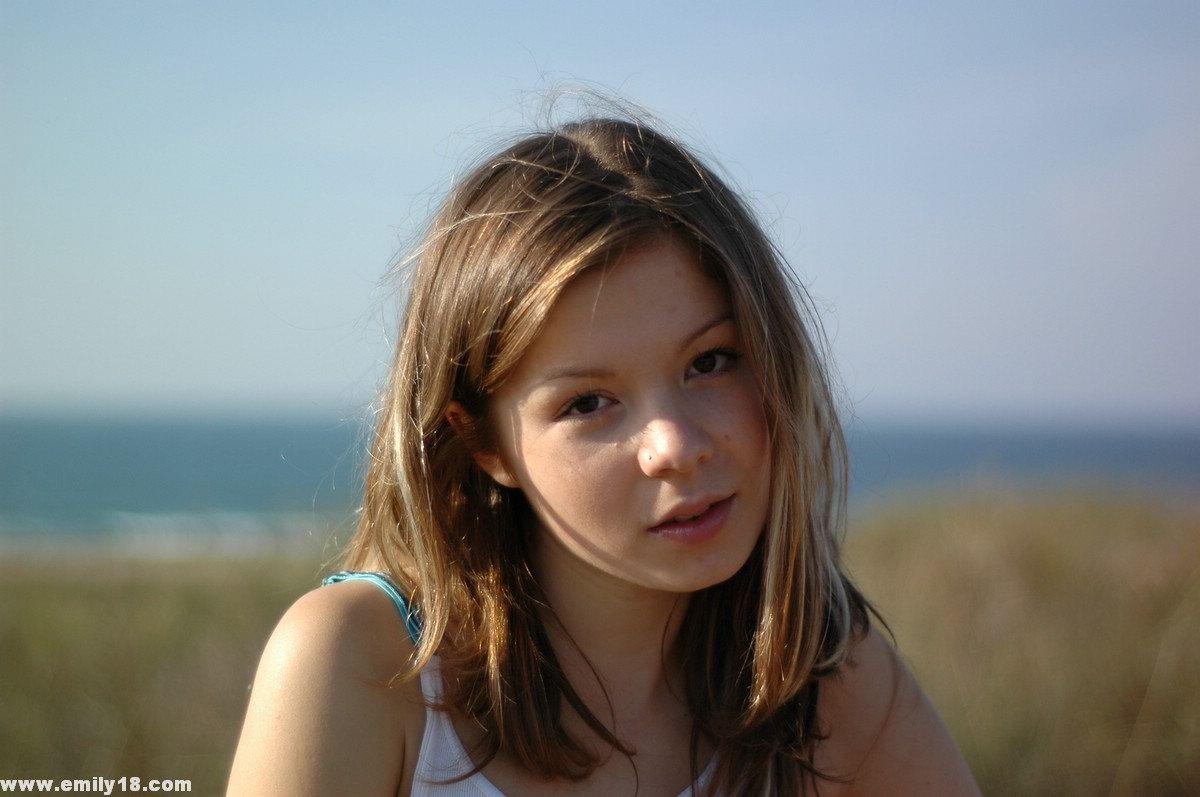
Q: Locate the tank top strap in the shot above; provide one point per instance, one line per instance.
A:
(412, 620)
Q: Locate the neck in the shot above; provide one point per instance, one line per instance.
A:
(625, 632)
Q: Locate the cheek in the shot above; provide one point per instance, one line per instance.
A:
(743, 425)
(570, 485)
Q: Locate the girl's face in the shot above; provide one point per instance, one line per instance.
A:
(632, 408)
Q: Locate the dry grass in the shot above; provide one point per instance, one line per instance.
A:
(1058, 634)
(118, 667)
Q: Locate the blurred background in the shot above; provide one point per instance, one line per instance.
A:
(993, 206)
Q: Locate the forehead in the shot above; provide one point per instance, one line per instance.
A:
(650, 300)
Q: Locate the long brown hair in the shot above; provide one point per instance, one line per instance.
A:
(511, 234)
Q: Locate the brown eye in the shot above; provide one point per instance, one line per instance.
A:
(705, 363)
(586, 404)
(715, 361)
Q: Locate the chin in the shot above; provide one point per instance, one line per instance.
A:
(690, 582)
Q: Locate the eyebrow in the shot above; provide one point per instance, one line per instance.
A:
(600, 373)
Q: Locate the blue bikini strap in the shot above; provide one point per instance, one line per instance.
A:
(412, 620)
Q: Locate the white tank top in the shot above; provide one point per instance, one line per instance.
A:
(442, 754)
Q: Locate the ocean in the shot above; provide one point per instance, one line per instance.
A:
(248, 485)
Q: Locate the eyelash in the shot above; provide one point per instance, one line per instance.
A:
(721, 351)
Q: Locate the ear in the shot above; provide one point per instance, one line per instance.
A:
(489, 461)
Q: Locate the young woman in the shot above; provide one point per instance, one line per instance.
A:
(598, 551)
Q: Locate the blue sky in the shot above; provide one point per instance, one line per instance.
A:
(993, 205)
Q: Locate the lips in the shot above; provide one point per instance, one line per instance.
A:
(691, 509)
(702, 520)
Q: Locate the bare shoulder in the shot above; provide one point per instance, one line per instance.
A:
(884, 735)
(325, 714)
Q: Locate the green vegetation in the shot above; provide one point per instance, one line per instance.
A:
(1058, 634)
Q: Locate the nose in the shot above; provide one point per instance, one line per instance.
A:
(673, 442)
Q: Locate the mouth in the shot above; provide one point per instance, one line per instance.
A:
(698, 527)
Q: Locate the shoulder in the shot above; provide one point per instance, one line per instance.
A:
(327, 713)
(884, 735)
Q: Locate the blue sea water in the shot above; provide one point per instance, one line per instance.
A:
(86, 478)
